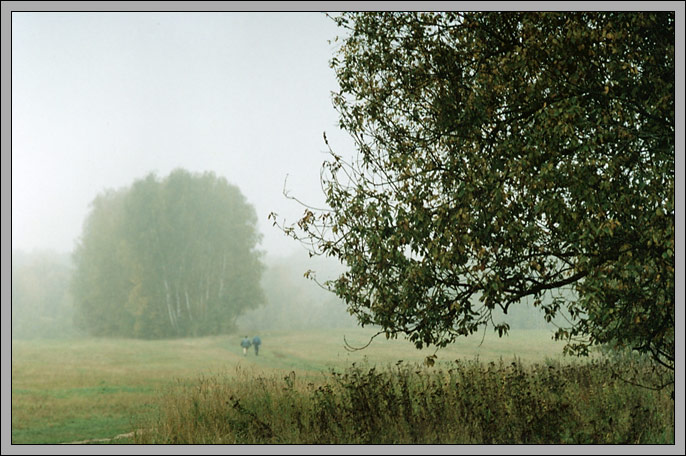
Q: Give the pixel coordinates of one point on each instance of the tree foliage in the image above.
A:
(167, 258)
(504, 157)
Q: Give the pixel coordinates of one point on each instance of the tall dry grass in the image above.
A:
(458, 403)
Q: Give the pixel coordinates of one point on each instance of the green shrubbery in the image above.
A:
(461, 403)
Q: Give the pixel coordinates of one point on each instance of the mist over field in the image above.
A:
(118, 96)
(357, 228)
(117, 101)
(43, 307)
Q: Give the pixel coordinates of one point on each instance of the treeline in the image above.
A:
(42, 306)
(177, 257)
(169, 257)
(295, 302)
(172, 257)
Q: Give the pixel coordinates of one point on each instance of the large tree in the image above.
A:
(504, 157)
(167, 258)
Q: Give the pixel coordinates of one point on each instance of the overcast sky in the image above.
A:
(102, 99)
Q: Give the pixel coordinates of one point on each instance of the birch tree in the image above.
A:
(166, 258)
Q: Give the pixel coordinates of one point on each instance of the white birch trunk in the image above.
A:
(172, 317)
(188, 305)
(178, 302)
(207, 288)
(221, 277)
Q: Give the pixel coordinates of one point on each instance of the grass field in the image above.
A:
(77, 390)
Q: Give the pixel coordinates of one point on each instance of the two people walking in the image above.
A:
(246, 343)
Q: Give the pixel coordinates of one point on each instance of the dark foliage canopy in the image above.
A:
(504, 157)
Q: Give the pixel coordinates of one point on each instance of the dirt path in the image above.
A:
(116, 437)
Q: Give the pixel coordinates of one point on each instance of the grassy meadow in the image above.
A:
(205, 391)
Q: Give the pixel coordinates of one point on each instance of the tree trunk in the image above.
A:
(172, 317)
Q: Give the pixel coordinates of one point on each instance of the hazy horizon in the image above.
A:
(102, 99)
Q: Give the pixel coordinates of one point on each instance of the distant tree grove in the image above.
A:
(169, 257)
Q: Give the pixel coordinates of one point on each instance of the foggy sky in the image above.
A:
(102, 99)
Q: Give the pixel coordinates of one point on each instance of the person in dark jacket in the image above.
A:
(245, 343)
(256, 341)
